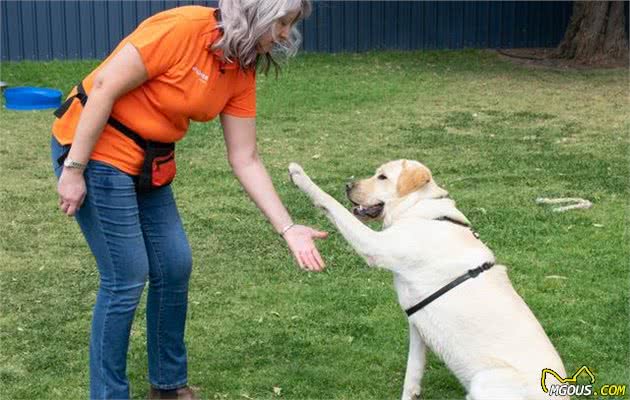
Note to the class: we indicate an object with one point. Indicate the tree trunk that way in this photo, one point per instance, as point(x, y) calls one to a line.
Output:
point(596, 33)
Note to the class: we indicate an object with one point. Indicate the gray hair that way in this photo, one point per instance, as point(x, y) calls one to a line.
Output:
point(244, 22)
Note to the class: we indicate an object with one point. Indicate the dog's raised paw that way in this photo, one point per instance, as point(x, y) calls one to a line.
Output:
point(295, 171)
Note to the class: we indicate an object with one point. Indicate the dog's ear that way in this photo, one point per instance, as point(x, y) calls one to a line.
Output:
point(412, 178)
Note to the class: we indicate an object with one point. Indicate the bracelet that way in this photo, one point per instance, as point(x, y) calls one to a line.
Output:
point(286, 228)
point(70, 163)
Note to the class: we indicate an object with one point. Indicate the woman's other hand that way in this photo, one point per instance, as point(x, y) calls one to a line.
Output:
point(71, 189)
point(300, 241)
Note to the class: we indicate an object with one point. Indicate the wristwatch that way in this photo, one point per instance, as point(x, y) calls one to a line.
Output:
point(70, 163)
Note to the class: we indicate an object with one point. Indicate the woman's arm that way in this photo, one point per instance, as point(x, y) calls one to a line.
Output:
point(124, 72)
point(240, 140)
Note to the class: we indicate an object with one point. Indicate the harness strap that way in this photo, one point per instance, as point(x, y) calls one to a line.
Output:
point(64, 107)
point(449, 219)
point(472, 273)
point(454, 221)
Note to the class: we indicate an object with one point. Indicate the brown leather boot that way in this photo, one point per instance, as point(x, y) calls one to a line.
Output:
point(182, 393)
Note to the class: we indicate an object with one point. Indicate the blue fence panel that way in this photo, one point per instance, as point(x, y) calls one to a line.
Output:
point(323, 27)
point(433, 30)
point(47, 29)
point(335, 14)
point(129, 17)
point(377, 25)
point(364, 17)
point(309, 32)
point(87, 39)
point(72, 29)
point(533, 15)
point(507, 20)
point(44, 37)
point(30, 31)
point(350, 25)
point(403, 22)
point(14, 30)
point(101, 46)
point(143, 10)
point(57, 31)
point(114, 23)
point(469, 32)
point(4, 34)
point(390, 26)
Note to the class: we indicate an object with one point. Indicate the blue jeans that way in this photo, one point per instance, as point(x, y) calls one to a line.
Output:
point(133, 236)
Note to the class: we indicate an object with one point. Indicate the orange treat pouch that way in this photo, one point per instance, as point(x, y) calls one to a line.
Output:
point(158, 168)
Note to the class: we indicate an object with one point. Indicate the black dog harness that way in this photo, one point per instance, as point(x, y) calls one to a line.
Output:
point(445, 218)
point(472, 273)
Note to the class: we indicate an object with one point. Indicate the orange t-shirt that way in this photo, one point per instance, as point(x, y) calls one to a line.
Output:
point(185, 81)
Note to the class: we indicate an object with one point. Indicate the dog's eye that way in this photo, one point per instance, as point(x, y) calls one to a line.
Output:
point(382, 177)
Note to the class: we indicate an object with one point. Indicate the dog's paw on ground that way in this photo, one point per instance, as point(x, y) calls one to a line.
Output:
point(413, 394)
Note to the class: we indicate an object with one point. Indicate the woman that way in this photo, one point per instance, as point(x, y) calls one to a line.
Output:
point(121, 122)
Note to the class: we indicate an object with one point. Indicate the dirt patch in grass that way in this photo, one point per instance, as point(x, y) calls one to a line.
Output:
point(544, 58)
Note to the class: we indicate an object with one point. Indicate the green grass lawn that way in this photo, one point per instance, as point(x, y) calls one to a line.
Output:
point(496, 135)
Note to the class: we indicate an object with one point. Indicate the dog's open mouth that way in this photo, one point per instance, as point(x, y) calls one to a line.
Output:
point(369, 211)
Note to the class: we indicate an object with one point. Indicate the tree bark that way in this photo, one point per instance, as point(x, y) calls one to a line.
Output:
point(596, 33)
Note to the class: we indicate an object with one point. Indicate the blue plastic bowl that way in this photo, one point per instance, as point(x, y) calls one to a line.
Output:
point(31, 98)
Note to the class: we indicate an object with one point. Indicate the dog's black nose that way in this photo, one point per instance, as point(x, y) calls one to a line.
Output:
point(349, 186)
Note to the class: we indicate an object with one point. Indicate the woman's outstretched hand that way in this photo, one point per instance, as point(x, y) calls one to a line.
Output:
point(300, 241)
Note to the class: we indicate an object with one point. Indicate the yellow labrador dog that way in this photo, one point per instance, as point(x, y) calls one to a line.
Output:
point(459, 303)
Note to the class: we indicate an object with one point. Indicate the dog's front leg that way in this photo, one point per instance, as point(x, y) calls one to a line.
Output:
point(415, 365)
point(364, 240)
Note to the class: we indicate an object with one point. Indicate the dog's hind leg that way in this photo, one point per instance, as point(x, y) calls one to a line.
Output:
point(415, 365)
point(499, 384)
point(365, 241)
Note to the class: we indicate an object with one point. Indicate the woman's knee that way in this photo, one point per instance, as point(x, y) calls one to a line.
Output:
point(173, 268)
point(181, 266)
point(126, 273)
